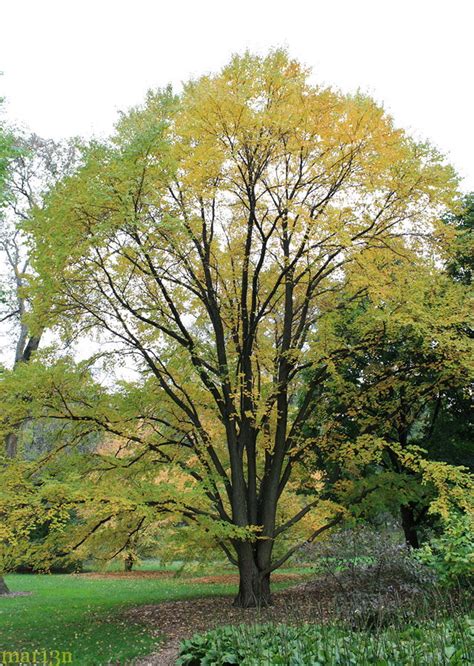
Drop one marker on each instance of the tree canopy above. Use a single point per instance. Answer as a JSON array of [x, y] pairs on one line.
[[210, 243]]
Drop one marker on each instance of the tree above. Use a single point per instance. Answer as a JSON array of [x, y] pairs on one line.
[[36, 164], [29, 165], [6, 153], [404, 398], [204, 242], [462, 263]]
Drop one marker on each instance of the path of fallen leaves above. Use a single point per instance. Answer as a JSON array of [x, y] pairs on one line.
[[107, 575], [178, 620]]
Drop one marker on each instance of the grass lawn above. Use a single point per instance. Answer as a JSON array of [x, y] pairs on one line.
[[82, 615]]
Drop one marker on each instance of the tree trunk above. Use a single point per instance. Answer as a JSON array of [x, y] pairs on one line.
[[409, 525], [11, 444], [3, 586], [254, 586], [128, 562]]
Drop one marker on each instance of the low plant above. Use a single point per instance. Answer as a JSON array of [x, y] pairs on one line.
[[451, 643]]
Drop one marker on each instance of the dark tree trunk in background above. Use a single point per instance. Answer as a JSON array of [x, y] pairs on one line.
[[11, 444], [128, 562], [3, 586], [409, 525]]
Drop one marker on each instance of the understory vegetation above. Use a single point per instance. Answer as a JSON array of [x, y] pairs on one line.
[[371, 600], [450, 642], [358, 597]]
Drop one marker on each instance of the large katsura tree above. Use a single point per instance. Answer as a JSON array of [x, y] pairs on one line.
[[202, 246]]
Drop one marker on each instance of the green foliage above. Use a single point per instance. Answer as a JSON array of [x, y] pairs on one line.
[[396, 406], [75, 493], [461, 265], [451, 554], [7, 152], [443, 643]]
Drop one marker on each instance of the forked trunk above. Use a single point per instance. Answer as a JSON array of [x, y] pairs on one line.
[[3, 586], [254, 585]]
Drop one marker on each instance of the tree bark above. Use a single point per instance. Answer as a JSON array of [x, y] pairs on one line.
[[254, 583], [3, 587], [11, 444], [128, 562], [409, 525]]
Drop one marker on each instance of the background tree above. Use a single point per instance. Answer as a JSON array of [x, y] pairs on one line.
[[204, 243], [35, 165], [404, 393], [6, 154], [462, 263], [29, 166]]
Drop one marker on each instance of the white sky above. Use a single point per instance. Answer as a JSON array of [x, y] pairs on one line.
[[69, 65]]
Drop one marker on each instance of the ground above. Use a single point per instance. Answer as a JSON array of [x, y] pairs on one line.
[[139, 618], [114, 618], [182, 619]]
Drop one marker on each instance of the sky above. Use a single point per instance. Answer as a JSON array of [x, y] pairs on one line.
[[69, 66]]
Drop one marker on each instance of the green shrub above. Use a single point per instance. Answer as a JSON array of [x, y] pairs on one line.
[[271, 645], [451, 555]]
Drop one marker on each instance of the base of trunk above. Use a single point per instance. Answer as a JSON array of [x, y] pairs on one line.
[[254, 592], [3, 586]]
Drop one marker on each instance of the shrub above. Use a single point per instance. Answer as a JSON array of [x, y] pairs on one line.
[[360, 544], [369, 579], [451, 555]]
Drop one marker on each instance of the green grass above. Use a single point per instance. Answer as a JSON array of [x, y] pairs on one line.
[[83, 615], [149, 564], [188, 568]]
